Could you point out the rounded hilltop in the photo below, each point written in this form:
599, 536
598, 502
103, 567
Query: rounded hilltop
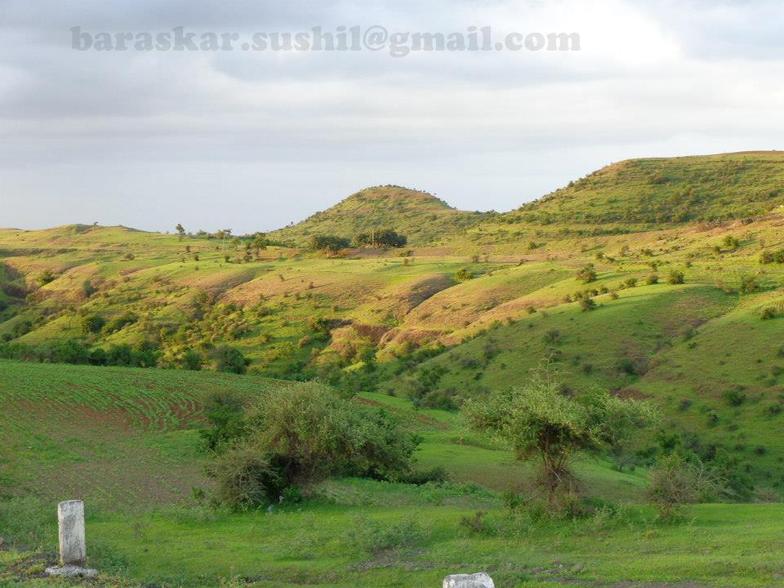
421, 216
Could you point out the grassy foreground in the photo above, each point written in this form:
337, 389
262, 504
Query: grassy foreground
136, 452
417, 538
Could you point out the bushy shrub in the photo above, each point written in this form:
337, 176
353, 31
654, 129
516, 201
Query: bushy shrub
191, 360
92, 323
676, 277
772, 256
229, 359
245, 478
735, 396
225, 414
318, 434
303, 435
478, 525
675, 482
120, 322
587, 273
748, 284
464, 274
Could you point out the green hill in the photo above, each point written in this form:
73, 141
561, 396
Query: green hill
667, 190
422, 217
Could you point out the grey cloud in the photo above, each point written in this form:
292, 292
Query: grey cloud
151, 139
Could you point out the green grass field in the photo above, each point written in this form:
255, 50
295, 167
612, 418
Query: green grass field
129, 437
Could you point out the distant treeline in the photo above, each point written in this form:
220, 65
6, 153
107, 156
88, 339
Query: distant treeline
223, 358
382, 238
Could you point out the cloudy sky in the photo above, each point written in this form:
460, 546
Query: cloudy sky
252, 140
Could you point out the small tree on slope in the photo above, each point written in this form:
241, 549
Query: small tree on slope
541, 422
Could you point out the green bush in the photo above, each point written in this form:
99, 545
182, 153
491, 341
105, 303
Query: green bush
299, 437
225, 415
229, 359
245, 479
92, 323
748, 284
735, 396
676, 277
675, 482
120, 322
587, 273
464, 274
316, 434
191, 360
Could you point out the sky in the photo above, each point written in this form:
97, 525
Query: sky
254, 140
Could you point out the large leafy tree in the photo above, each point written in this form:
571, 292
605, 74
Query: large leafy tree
541, 421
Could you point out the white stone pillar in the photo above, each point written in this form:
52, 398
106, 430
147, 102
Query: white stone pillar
73, 549
480, 580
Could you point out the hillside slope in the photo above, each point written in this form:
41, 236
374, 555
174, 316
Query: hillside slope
422, 217
666, 190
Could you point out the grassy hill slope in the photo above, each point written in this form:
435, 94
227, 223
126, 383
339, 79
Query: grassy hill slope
667, 190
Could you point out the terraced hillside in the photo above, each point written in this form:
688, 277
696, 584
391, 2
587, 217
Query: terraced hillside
421, 217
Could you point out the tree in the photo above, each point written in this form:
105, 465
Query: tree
259, 242
229, 359
541, 422
587, 273
180, 231
328, 243
381, 238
